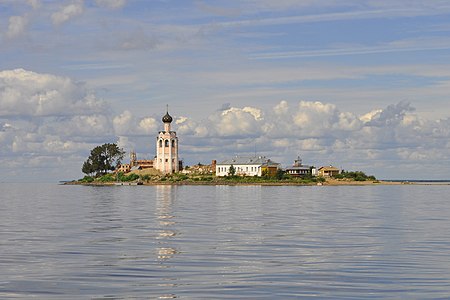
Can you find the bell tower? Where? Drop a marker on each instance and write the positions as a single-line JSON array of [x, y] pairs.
[[167, 147]]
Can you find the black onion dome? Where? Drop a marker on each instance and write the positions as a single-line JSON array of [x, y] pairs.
[[167, 118]]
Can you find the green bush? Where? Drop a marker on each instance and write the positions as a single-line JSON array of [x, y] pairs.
[[107, 178], [356, 175], [145, 177], [280, 174], [131, 177], [320, 179], [182, 177], [86, 179], [126, 178]]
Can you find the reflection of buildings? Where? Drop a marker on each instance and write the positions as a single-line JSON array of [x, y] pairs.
[[166, 221]]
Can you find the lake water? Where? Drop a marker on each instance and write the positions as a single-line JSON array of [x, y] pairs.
[[224, 242]]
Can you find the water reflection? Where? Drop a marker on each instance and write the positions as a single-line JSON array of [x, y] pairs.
[[166, 221], [226, 242]]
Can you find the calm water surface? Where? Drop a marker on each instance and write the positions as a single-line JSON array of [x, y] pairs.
[[224, 242]]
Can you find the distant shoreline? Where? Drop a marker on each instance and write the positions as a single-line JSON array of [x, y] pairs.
[[329, 182]]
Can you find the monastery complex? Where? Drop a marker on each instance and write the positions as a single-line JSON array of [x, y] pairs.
[[167, 161]]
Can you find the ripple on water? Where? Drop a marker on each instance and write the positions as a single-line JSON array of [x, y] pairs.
[[222, 242]]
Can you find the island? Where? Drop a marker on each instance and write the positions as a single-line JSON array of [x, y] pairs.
[[104, 167]]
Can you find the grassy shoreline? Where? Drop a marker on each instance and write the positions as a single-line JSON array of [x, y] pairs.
[[327, 182]]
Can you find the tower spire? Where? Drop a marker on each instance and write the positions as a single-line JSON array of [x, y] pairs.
[[167, 147]]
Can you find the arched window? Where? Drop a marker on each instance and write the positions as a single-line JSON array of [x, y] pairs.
[[173, 143], [166, 143], [160, 143]]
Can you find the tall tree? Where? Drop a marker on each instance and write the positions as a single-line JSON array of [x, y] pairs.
[[232, 171], [104, 158]]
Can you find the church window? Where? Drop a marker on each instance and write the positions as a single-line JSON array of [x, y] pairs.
[[160, 143], [167, 159], [166, 143], [173, 143]]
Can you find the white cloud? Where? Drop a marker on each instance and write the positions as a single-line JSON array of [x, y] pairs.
[[323, 133], [236, 122], [68, 12], [367, 117], [45, 116], [16, 26], [26, 93], [126, 124]]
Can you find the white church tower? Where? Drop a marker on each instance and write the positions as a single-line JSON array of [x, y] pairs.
[[167, 148]]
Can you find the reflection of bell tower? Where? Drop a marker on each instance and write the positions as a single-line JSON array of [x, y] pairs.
[[167, 148]]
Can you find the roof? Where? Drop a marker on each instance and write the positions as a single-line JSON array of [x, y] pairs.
[[299, 168], [243, 160], [329, 168]]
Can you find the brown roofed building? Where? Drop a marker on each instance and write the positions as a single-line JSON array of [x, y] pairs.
[[328, 171]]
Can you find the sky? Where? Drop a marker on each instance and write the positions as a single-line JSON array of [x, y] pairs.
[[358, 84]]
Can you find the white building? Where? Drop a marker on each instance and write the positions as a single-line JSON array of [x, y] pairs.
[[166, 159], [248, 166]]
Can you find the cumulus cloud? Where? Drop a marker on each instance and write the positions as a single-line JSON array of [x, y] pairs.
[[126, 124], [26, 93], [68, 12], [392, 115], [46, 119], [321, 132], [50, 122], [16, 26], [233, 123]]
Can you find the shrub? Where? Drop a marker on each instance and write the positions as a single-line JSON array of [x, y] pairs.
[[107, 178], [357, 176], [127, 178], [183, 177], [87, 179], [320, 179], [145, 177], [280, 174]]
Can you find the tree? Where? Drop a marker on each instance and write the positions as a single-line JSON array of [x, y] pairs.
[[88, 168], [232, 171], [104, 158], [280, 174]]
